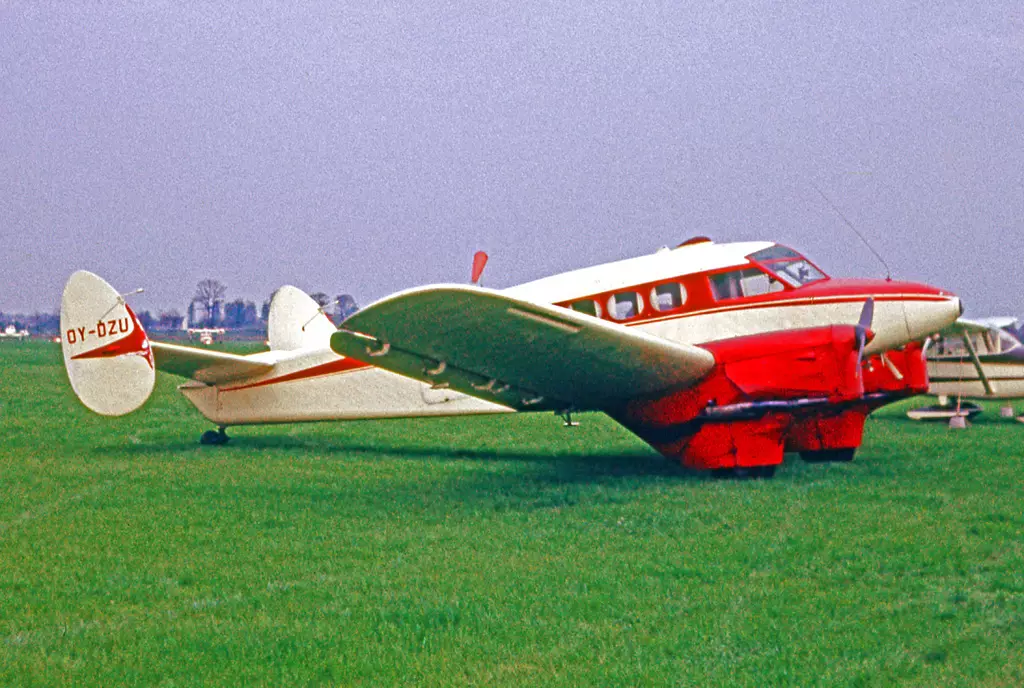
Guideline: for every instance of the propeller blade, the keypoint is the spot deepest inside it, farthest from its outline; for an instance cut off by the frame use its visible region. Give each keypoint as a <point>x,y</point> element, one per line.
<point>867,314</point>
<point>862,340</point>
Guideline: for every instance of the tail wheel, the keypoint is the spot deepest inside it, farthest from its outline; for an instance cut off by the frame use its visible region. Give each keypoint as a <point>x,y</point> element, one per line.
<point>214,437</point>
<point>828,455</point>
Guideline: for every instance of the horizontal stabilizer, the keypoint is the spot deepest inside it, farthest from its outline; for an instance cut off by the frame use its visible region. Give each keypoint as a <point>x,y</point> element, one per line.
<point>211,367</point>
<point>514,352</point>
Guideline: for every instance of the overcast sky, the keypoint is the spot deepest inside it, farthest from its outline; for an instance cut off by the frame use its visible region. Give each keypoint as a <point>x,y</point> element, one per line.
<point>366,147</point>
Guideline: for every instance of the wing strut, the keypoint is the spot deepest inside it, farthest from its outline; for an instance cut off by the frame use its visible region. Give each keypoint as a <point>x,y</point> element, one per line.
<point>989,388</point>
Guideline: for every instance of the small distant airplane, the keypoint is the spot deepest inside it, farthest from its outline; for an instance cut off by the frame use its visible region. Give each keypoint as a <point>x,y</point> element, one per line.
<point>979,359</point>
<point>721,356</point>
<point>205,334</point>
<point>12,332</point>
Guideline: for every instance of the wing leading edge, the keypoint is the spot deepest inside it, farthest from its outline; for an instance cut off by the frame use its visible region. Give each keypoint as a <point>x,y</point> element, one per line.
<point>514,352</point>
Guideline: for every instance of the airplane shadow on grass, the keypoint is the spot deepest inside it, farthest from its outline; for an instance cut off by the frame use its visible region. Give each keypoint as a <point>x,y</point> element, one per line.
<point>554,466</point>
<point>638,463</point>
<point>535,480</point>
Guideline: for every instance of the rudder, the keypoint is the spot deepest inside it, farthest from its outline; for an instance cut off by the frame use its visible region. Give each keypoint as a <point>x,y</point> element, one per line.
<point>106,352</point>
<point>296,321</point>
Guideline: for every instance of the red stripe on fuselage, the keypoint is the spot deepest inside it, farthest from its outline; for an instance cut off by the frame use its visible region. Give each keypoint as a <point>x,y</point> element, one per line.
<point>783,303</point>
<point>343,365</point>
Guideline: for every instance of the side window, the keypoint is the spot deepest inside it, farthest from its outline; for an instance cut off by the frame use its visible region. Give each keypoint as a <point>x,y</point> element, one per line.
<point>624,305</point>
<point>1007,342</point>
<point>666,297</point>
<point>749,282</point>
<point>726,286</point>
<point>587,306</point>
<point>948,347</point>
<point>953,346</point>
<point>754,283</point>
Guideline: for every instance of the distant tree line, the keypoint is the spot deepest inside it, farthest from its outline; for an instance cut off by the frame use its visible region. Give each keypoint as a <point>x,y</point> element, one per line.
<point>36,323</point>
<point>208,308</point>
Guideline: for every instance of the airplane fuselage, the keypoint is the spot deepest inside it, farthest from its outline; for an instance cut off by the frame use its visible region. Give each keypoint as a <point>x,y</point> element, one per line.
<point>697,293</point>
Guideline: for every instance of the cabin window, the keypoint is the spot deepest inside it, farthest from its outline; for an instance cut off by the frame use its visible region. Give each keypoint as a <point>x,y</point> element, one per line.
<point>948,347</point>
<point>1007,342</point>
<point>739,283</point>
<point>984,343</point>
<point>587,306</point>
<point>624,305</point>
<point>666,297</point>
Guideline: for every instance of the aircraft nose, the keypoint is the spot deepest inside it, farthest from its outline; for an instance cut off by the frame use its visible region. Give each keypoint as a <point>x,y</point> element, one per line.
<point>927,316</point>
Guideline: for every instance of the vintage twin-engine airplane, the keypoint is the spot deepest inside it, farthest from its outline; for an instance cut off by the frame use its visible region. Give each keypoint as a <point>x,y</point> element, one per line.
<point>721,356</point>
<point>973,359</point>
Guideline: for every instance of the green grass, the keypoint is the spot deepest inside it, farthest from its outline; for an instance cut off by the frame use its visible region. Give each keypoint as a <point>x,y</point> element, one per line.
<point>491,551</point>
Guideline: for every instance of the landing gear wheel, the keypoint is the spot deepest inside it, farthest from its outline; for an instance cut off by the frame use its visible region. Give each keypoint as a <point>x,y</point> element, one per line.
<point>757,472</point>
<point>214,437</point>
<point>828,455</point>
<point>745,473</point>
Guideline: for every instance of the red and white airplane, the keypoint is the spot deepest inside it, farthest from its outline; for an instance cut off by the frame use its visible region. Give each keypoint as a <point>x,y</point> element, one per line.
<point>722,356</point>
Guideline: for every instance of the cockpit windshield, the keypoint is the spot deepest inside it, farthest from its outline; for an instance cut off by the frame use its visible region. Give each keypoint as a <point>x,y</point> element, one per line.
<point>788,265</point>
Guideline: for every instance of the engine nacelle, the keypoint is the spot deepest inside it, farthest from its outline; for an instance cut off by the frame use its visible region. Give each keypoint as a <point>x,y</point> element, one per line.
<point>799,390</point>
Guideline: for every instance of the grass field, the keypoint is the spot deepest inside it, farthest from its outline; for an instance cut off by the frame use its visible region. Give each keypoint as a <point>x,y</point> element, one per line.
<point>491,551</point>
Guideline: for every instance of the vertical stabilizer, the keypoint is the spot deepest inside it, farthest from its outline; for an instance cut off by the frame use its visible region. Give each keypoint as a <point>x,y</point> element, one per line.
<point>297,322</point>
<point>106,351</point>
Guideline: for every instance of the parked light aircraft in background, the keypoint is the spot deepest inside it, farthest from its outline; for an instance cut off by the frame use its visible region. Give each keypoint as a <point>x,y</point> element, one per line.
<point>205,334</point>
<point>721,356</point>
<point>973,359</point>
<point>12,332</point>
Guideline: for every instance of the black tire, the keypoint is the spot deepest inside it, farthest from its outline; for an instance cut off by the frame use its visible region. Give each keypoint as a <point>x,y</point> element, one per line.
<point>828,455</point>
<point>759,472</point>
<point>213,437</point>
<point>745,473</point>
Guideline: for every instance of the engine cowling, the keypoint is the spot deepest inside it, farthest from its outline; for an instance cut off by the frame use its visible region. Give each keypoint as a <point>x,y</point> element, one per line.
<point>798,390</point>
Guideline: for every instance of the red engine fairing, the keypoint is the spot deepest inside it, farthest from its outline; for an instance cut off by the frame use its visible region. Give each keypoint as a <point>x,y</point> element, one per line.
<point>797,390</point>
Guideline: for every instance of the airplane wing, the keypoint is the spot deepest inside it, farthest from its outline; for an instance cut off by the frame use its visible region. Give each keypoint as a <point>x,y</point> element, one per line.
<point>211,367</point>
<point>514,352</point>
<point>962,325</point>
